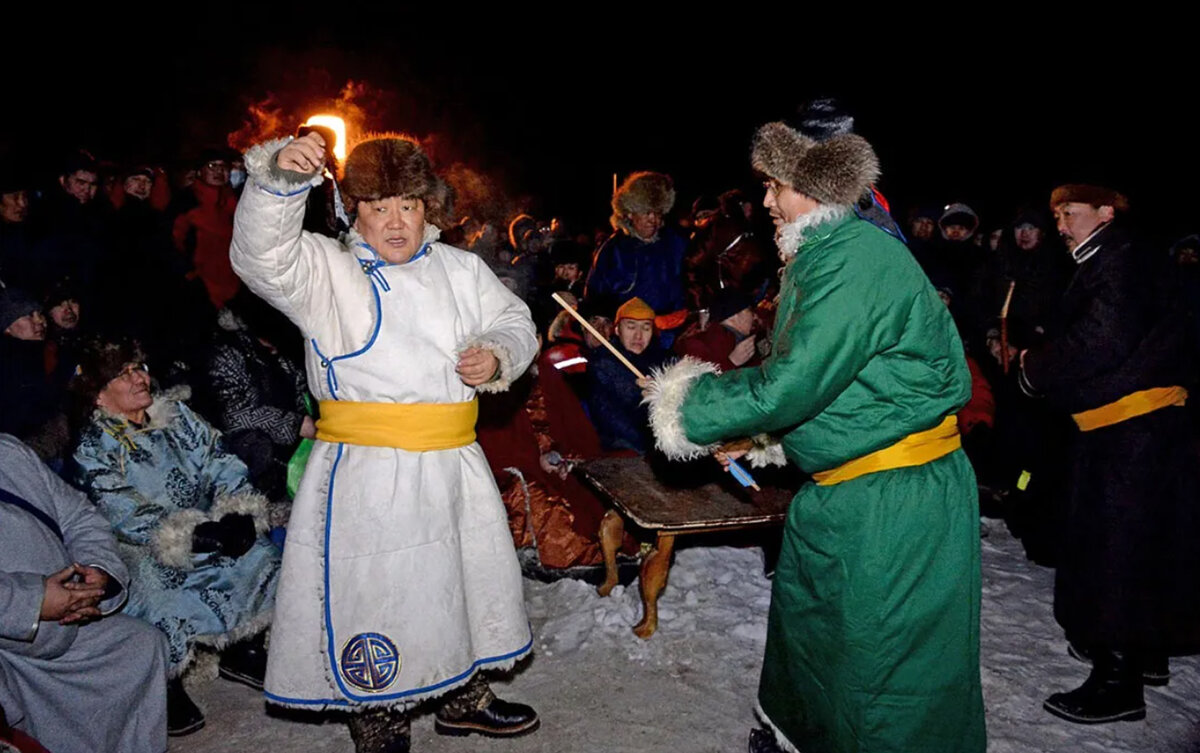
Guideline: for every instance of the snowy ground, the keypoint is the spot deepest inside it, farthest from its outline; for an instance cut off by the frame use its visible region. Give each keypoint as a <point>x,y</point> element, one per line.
<point>690,688</point>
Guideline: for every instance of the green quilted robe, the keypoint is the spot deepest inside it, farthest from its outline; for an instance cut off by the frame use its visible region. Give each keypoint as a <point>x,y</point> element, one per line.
<point>873,635</point>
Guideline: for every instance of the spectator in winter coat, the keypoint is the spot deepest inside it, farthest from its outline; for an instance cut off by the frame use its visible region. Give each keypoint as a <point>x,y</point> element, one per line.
<point>643,258</point>
<point>728,340</point>
<point>73,674</point>
<point>203,232</point>
<point>615,399</point>
<point>16,243</point>
<point>30,400</point>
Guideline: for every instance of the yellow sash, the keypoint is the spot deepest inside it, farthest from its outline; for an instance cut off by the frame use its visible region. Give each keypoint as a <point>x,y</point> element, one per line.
<point>915,449</point>
<point>1132,405</point>
<point>416,427</point>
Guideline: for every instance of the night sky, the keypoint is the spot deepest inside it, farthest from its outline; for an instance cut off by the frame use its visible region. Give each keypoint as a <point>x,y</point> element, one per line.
<point>548,115</point>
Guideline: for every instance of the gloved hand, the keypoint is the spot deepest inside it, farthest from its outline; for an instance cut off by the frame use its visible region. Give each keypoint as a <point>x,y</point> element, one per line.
<point>231,536</point>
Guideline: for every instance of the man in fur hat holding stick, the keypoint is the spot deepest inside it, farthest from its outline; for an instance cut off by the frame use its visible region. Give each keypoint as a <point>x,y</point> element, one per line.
<point>873,635</point>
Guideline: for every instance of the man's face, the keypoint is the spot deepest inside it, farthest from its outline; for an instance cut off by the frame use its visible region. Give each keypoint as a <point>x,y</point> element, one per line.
<point>569,272</point>
<point>635,334</point>
<point>66,314</point>
<point>14,207</point>
<point>128,393</point>
<point>394,227</point>
<point>215,172</point>
<point>138,186</point>
<point>922,228</point>
<point>646,224</point>
<point>956,232</point>
<point>32,326</point>
<point>81,184</point>
<point>1076,221</point>
<point>603,325</point>
<point>786,203</point>
<point>1028,236</point>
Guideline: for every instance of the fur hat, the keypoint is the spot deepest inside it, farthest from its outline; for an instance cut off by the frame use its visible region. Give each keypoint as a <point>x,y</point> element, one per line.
<point>642,192</point>
<point>838,170</point>
<point>1083,193</point>
<point>100,362</point>
<point>393,165</point>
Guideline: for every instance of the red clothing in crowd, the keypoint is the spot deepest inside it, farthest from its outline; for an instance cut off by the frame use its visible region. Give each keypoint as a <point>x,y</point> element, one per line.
<point>713,345</point>
<point>981,408</point>
<point>205,232</point>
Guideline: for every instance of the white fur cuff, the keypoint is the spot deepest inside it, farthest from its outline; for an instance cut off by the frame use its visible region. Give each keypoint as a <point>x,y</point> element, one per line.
<point>665,395</point>
<point>262,168</point>
<point>504,373</point>
<point>172,540</point>
<point>245,503</point>
<point>767,451</point>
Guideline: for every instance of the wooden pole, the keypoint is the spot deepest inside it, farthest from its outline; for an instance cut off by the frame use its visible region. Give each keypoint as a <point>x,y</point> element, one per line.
<point>1004,325</point>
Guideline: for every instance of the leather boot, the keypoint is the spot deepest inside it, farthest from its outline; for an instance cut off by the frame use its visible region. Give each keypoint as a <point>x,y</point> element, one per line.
<point>1112,692</point>
<point>245,662</point>
<point>762,741</point>
<point>183,716</point>
<point>1156,670</point>
<point>475,709</point>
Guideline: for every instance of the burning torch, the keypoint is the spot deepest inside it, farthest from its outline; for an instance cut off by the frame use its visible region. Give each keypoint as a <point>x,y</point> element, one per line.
<point>333,131</point>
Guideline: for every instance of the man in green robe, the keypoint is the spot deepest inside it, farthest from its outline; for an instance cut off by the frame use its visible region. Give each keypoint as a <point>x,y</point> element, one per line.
<point>873,635</point>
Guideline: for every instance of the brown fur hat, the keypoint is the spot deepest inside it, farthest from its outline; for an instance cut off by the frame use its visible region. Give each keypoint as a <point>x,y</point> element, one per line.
<point>393,165</point>
<point>640,193</point>
<point>100,362</point>
<point>838,170</point>
<point>1083,193</point>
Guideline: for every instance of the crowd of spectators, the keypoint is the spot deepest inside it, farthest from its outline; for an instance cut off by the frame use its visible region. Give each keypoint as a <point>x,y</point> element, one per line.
<point>135,366</point>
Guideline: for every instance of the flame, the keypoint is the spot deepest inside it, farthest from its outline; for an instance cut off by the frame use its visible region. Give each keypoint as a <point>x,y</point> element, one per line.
<point>338,126</point>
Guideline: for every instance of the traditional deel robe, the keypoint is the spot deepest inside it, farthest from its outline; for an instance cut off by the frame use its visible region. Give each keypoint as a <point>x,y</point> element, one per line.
<point>1129,572</point>
<point>155,483</point>
<point>628,267</point>
<point>873,634</point>
<point>100,686</point>
<point>400,579</point>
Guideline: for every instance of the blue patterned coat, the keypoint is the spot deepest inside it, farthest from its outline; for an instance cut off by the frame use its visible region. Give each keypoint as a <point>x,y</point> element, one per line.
<point>155,483</point>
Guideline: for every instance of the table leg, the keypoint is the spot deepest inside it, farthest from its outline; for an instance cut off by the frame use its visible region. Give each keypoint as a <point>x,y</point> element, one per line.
<point>653,578</point>
<point>612,532</point>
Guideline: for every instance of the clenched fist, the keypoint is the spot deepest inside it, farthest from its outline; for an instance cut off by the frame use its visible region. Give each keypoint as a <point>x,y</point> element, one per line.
<point>303,155</point>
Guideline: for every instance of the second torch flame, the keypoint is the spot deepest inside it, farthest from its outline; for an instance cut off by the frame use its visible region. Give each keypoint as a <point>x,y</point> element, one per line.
<point>338,126</point>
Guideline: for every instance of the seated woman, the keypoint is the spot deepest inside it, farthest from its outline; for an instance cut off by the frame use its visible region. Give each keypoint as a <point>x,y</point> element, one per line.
<point>615,399</point>
<point>189,525</point>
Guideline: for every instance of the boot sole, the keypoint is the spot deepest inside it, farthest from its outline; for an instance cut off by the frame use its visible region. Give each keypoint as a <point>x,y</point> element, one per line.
<point>182,731</point>
<point>238,677</point>
<point>462,730</point>
<point>1132,715</point>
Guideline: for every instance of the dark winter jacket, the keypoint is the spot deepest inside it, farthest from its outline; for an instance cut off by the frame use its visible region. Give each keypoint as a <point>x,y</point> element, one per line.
<point>615,400</point>
<point>626,267</point>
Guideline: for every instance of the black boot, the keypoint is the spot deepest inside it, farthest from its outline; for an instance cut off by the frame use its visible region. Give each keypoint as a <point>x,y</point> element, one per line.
<point>762,741</point>
<point>1112,692</point>
<point>381,731</point>
<point>475,709</point>
<point>245,662</point>
<point>1156,670</point>
<point>183,716</point>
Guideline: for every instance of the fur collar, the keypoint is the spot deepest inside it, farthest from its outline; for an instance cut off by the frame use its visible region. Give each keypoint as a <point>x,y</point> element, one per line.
<point>161,413</point>
<point>791,236</point>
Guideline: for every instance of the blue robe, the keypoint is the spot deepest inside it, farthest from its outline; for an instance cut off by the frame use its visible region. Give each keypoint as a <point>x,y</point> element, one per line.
<point>155,483</point>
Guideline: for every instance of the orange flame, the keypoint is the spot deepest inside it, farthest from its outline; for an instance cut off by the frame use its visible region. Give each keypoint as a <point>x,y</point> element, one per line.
<point>338,126</point>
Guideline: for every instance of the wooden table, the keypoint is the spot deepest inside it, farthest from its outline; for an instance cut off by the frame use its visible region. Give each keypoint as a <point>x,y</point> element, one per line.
<point>637,494</point>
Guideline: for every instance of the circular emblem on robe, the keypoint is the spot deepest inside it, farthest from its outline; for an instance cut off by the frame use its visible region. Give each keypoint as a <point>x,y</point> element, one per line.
<point>370,662</point>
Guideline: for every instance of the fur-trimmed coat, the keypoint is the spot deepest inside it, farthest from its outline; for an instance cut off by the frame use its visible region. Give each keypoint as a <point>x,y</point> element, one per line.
<point>400,579</point>
<point>155,483</point>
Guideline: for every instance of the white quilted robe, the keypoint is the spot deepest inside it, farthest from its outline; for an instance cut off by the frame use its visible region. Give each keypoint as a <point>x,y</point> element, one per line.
<point>399,576</point>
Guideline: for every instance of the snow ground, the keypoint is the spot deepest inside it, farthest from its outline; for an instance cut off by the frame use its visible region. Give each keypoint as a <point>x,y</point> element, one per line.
<point>691,687</point>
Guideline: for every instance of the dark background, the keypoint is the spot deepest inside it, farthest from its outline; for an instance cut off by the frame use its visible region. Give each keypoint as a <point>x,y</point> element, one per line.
<point>546,112</point>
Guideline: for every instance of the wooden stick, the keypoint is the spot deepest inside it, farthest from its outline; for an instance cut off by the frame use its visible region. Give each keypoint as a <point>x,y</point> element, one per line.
<point>1004,325</point>
<point>603,340</point>
<point>736,469</point>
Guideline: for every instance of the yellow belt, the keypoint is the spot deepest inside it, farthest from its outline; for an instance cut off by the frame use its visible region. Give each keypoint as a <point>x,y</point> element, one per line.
<point>915,449</point>
<point>416,427</point>
<point>1132,405</point>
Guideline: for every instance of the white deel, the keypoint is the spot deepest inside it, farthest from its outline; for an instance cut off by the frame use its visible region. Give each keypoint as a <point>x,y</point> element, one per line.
<point>399,576</point>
